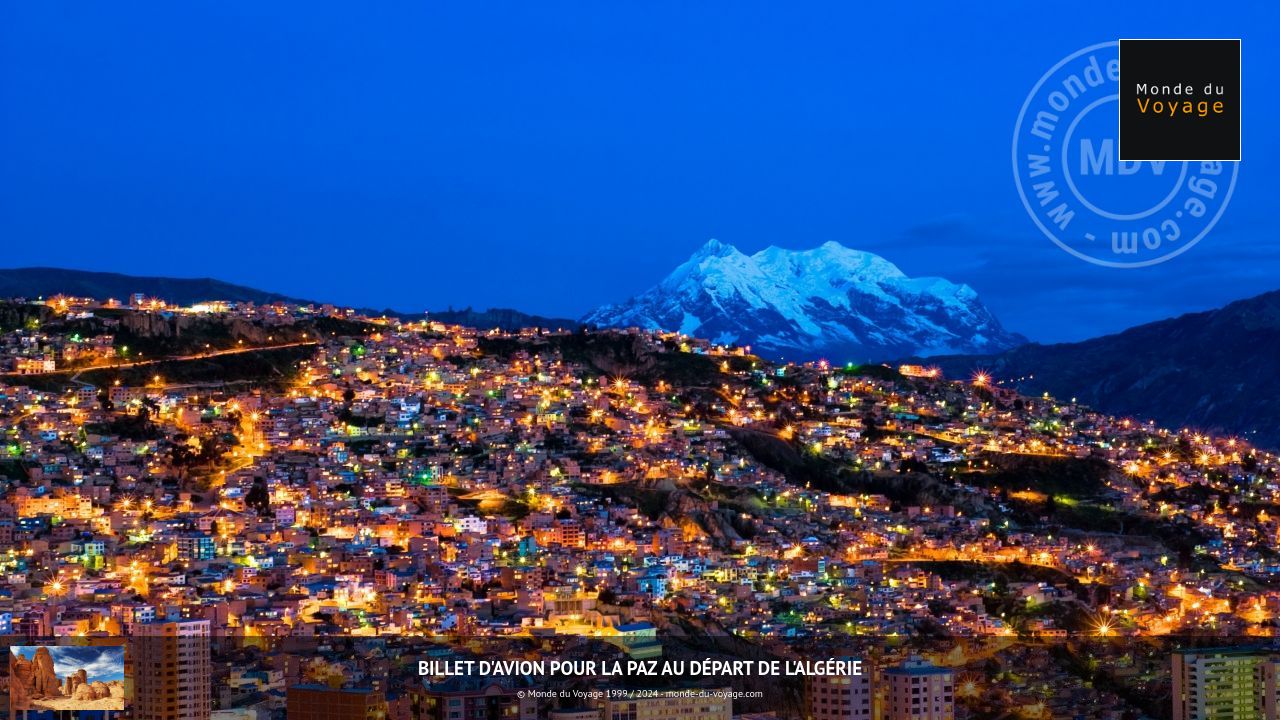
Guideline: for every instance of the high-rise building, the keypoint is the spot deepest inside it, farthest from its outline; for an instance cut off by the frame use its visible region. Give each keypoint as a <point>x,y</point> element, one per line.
<point>1223,684</point>
<point>171,666</point>
<point>838,697</point>
<point>474,698</point>
<point>919,690</point>
<point>669,705</point>
<point>1269,688</point>
<point>320,702</point>
<point>577,713</point>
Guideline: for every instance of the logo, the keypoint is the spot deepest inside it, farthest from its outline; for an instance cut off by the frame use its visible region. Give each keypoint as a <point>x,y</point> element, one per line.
<point>1180,100</point>
<point>1070,178</point>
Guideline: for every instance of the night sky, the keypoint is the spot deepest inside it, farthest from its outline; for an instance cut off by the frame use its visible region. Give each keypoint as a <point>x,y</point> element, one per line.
<point>553,157</point>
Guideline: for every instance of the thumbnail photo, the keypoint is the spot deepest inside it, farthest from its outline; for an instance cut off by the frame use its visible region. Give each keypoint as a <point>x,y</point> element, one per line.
<point>54,677</point>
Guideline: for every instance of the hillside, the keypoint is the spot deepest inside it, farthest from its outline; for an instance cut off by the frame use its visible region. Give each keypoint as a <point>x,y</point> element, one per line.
<point>501,318</point>
<point>1217,371</point>
<point>36,282</point>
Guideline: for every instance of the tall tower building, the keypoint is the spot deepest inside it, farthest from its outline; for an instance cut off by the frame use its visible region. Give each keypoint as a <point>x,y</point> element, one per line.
<point>668,705</point>
<point>838,697</point>
<point>1269,688</point>
<point>1223,684</point>
<point>474,698</point>
<point>318,702</point>
<point>919,690</point>
<point>171,668</point>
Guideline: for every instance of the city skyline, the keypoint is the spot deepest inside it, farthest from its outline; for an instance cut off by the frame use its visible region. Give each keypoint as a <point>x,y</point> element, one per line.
<point>272,475</point>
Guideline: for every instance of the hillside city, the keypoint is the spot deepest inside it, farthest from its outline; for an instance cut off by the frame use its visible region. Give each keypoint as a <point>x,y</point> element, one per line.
<point>273,473</point>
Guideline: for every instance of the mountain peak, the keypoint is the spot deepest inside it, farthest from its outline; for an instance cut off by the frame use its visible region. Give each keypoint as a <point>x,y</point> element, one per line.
<point>828,301</point>
<point>714,248</point>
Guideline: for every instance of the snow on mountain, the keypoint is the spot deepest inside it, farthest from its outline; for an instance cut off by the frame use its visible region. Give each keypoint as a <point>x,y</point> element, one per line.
<point>831,302</point>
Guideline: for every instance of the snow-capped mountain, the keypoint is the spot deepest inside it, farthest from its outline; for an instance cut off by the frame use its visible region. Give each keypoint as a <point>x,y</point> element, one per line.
<point>829,302</point>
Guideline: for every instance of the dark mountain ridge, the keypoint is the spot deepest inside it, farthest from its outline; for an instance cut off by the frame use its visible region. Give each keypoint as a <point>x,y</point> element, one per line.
<point>1216,371</point>
<point>38,282</point>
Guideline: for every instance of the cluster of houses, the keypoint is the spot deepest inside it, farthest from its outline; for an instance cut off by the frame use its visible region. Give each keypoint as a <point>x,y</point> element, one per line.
<point>409,480</point>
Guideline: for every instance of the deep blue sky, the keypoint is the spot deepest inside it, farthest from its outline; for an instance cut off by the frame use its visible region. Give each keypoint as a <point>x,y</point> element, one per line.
<point>555,156</point>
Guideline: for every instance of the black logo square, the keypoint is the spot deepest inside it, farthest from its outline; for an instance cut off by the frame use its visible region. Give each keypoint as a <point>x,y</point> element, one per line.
<point>1179,100</point>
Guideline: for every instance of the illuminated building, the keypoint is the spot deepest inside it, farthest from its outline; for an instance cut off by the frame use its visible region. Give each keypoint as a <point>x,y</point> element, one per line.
<point>919,690</point>
<point>474,698</point>
<point>319,702</point>
<point>196,547</point>
<point>171,668</point>
<point>575,714</point>
<point>919,371</point>
<point>685,704</point>
<point>1221,684</point>
<point>1269,688</point>
<point>838,697</point>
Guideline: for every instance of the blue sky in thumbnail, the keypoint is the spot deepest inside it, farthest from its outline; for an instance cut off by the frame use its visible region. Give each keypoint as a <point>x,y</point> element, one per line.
<point>555,156</point>
<point>101,663</point>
